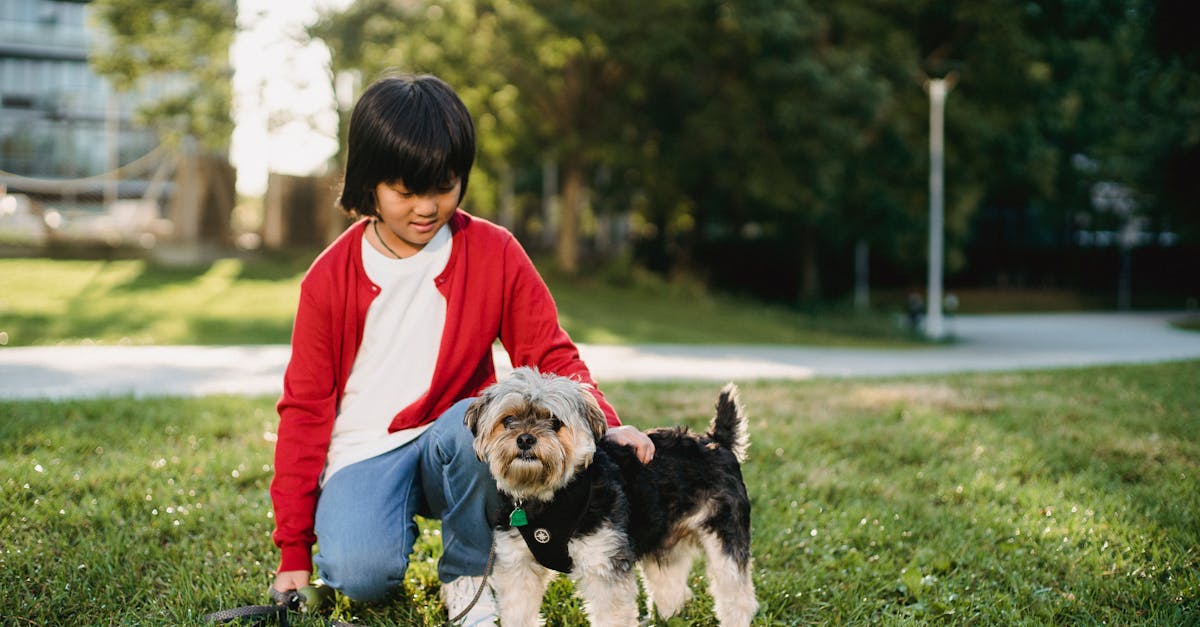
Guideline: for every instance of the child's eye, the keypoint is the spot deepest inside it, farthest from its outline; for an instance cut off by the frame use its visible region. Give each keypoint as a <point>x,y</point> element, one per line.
<point>400,189</point>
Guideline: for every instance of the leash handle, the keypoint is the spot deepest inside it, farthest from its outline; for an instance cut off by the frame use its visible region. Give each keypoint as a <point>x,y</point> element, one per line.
<point>290,599</point>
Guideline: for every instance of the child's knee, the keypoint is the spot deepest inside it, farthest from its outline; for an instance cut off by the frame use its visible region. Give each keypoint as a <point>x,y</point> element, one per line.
<point>365,577</point>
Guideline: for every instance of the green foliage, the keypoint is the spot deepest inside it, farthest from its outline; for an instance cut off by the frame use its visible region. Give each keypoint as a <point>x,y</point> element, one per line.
<point>796,121</point>
<point>181,49</point>
<point>459,41</point>
<point>1016,499</point>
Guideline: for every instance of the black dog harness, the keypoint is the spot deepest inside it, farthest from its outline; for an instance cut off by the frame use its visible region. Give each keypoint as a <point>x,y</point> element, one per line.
<point>549,526</point>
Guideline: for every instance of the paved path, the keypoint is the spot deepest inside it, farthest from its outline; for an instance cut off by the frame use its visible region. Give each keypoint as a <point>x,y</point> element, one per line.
<point>984,343</point>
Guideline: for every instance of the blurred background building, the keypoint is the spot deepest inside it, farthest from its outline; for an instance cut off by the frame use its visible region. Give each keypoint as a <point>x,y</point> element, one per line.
<point>58,119</point>
<point>75,165</point>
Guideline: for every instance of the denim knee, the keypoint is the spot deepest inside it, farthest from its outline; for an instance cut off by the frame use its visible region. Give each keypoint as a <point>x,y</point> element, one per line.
<point>459,490</point>
<point>365,527</point>
<point>453,440</point>
<point>363,575</point>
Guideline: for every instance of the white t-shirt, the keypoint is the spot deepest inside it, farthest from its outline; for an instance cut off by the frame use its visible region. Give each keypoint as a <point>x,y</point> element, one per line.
<point>398,354</point>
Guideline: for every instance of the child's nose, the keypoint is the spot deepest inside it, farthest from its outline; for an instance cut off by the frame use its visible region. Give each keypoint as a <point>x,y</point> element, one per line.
<point>428,205</point>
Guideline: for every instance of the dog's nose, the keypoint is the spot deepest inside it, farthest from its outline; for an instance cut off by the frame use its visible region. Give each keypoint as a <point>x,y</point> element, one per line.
<point>526,441</point>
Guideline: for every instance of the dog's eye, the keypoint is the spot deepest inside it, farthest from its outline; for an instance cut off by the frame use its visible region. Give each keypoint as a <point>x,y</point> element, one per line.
<point>556,424</point>
<point>510,422</point>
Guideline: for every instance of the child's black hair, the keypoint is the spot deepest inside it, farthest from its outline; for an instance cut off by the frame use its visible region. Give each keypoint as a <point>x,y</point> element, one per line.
<point>408,128</point>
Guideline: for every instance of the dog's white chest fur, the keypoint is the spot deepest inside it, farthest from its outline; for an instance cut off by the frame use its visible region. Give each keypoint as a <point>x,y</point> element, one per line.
<point>606,585</point>
<point>537,433</point>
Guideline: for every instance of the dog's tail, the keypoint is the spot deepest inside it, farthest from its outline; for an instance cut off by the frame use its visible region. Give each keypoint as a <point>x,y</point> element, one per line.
<point>728,427</point>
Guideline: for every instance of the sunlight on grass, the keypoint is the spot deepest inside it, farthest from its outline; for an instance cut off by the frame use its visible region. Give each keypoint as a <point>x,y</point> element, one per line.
<point>235,301</point>
<point>133,302</point>
<point>1020,498</point>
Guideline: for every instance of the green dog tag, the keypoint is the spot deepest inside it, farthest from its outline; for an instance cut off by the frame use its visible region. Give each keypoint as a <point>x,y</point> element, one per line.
<point>517,518</point>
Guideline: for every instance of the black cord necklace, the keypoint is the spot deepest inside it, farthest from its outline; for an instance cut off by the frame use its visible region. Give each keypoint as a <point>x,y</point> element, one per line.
<point>375,225</point>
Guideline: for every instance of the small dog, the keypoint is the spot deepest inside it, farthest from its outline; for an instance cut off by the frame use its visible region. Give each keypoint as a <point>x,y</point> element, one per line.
<point>577,504</point>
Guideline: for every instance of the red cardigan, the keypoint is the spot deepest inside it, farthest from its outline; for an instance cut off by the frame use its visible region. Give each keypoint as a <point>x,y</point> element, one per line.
<point>492,290</point>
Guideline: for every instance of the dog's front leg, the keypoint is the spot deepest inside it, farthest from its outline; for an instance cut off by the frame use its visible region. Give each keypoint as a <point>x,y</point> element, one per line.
<point>519,581</point>
<point>604,577</point>
<point>609,601</point>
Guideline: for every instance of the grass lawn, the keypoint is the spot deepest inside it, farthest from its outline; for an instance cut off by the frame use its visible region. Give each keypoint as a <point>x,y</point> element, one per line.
<point>232,301</point>
<point>1003,499</point>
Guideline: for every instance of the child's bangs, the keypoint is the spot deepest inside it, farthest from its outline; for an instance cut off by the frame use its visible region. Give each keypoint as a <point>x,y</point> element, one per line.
<point>420,151</point>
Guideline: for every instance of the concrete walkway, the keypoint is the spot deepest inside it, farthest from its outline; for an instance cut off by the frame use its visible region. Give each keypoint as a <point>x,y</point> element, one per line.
<point>984,343</point>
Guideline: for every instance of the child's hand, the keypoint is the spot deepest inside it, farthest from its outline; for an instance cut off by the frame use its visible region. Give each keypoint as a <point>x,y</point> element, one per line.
<point>627,435</point>
<point>291,580</point>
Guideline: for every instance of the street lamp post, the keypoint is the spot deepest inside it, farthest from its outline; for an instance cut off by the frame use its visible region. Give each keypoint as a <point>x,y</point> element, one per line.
<point>934,324</point>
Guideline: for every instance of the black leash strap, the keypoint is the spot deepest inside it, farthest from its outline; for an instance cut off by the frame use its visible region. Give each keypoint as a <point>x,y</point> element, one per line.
<point>284,601</point>
<point>292,599</point>
<point>487,570</point>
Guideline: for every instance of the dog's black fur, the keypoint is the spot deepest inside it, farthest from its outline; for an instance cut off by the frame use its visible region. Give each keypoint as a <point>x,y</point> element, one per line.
<point>688,471</point>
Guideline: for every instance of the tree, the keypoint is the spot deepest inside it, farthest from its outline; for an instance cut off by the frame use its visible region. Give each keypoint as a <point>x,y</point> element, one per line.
<point>1171,34</point>
<point>757,114</point>
<point>181,47</point>
<point>760,141</point>
<point>178,50</point>
<point>533,84</point>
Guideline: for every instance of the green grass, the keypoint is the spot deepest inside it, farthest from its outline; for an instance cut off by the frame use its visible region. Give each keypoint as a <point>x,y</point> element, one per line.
<point>652,311</point>
<point>1037,498</point>
<point>135,302</point>
<point>234,301</point>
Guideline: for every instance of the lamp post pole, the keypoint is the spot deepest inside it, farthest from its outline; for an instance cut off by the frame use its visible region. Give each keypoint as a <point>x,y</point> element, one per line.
<point>934,324</point>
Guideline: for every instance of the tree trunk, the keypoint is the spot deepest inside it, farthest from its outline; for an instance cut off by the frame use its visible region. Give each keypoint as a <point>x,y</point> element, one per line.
<point>810,274</point>
<point>862,274</point>
<point>567,251</point>
<point>300,211</point>
<point>203,199</point>
<point>507,216</point>
<point>550,201</point>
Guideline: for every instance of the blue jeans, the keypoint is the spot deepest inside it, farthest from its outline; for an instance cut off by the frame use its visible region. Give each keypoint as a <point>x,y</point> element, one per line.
<point>364,520</point>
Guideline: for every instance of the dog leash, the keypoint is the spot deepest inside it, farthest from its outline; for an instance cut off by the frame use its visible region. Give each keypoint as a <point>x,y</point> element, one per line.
<point>285,602</point>
<point>487,570</point>
<point>291,600</point>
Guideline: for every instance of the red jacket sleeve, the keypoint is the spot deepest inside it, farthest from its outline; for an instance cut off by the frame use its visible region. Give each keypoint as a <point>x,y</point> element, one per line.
<point>307,411</point>
<point>530,330</point>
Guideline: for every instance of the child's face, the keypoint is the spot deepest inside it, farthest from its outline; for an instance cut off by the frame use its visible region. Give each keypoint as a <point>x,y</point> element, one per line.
<point>412,219</point>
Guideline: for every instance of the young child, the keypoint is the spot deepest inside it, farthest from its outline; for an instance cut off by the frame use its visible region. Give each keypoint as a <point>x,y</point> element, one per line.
<point>393,336</point>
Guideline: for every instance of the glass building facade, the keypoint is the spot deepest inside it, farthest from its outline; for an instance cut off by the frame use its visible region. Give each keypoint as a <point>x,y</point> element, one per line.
<point>59,120</point>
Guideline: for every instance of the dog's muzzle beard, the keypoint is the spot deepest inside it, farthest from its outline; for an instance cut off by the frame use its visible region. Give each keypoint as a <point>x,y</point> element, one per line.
<point>539,432</point>
<point>527,467</point>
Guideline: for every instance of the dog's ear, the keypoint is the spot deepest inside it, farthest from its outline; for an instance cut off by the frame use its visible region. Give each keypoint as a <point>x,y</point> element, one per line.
<point>474,412</point>
<point>472,417</point>
<point>596,419</point>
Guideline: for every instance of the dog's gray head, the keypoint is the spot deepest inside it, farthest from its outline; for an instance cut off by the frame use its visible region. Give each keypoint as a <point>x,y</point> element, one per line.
<point>535,431</point>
